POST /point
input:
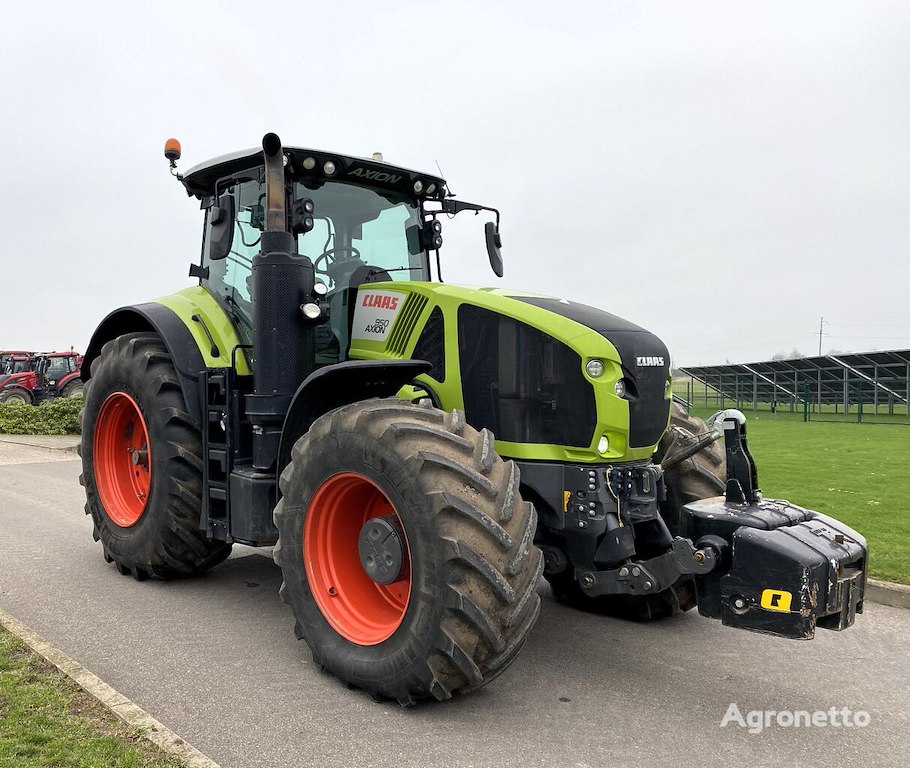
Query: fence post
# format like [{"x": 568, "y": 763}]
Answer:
[{"x": 807, "y": 394}]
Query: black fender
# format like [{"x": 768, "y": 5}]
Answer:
[
  {"x": 176, "y": 337},
  {"x": 332, "y": 386}
]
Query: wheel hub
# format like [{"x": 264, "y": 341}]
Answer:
[
  {"x": 380, "y": 548},
  {"x": 122, "y": 459}
]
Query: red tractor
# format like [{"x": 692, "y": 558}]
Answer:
[{"x": 46, "y": 376}]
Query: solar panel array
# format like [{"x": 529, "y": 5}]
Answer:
[{"x": 873, "y": 378}]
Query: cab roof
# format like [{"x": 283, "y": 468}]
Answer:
[{"x": 306, "y": 164}]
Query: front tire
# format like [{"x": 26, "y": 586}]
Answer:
[
  {"x": 16, "y": 395},
  {"x": 142, "y": 463},
  {"x": 463, "y": 598},
  {"x": 699, "y": 477}
]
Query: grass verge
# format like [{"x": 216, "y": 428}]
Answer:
[
  {"x": 48, "y": 720},
  {"x": 856, "y": 473}
]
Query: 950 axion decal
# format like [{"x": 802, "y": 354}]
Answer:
[{"x": 374, "y": 314}]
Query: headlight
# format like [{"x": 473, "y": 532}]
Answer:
[
  {"x": 311, "y": 311},
  {"x": 620, "y": 388},
  {"x": 594, "y": 368},
  {"x": 603, "y": 445}
]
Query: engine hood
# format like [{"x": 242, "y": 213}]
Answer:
[
  {"x": 516, "y": 363},
  {"x": 644, "y": 358}
]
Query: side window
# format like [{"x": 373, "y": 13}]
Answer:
[
  {"x": 229, "y": 277},
  {"x": 56, "y": 368}
]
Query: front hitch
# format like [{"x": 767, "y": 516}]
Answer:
[
  {"x": 650, "y": 576},
  {"x": 759, "y": 564}
]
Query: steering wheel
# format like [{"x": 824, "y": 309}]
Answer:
[{"x": 330, "y": 257}]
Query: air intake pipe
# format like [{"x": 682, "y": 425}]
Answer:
[{"x": 283, "y": 344}]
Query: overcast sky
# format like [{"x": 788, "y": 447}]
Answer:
[{"x": 723, "y": 173}]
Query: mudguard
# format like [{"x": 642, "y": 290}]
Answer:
[
  {"x": 177, "y": 338},
  {"x": 336, "y": 385}
]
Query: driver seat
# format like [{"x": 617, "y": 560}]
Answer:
[{"x": 333, "y": 339}]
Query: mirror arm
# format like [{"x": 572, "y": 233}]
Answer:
[{"x": 452, "y": 206}]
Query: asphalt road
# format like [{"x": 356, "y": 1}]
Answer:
[{"x": 215, "y": 660}]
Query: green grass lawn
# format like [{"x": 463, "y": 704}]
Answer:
[
  {"x": 47, "y": 720},
  {"x": 858, "y": 473}
]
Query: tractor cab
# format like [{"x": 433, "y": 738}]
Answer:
[
  {"x": 357, "y": 220},
  {"x": 14, "y": 361},
  {"x": 54, "y": 368}
]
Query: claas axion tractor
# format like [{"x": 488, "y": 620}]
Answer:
[{"x": 419, "y": 453}]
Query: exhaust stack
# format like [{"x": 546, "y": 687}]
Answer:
[{"x": 283, "y": 344}]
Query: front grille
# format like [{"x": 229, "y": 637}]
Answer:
[
  {"x": 521, "y": 383},
  {"x": 431, "y": 345},
  {"x": 404, "y": 325},
  {"x": 649, "y": 407}
]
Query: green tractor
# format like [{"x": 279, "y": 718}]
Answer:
[{"x": 322, "y": 391}]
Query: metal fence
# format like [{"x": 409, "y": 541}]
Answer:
[{"x": 866, "y": 387}]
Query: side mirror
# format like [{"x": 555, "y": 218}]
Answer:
[
  {"x": 494, "y": 243},
  {"x": 222, "y": 218}
]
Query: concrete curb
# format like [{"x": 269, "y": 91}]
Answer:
[
  {"x": 888, "y": 593},
  {"x": 51, "y": 442},
  {"x": 127, "y": 711}
]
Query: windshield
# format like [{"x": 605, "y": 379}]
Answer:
[{"x": 358, "y": 227}]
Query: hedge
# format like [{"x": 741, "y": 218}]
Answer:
[{"x": 57, "y": 417}]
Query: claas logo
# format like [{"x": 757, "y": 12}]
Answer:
[{"x": 380, "y": 301}]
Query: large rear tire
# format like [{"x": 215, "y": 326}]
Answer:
[
  {"x": 142, "y": 463},
  {"x": 73, "y": 388},
  {"x": 461, "y": 598}
]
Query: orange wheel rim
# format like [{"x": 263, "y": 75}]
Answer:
[
  {"x": 358, "y": 608},
  {"x": 123, "y": 459}
]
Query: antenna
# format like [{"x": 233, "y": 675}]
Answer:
[{"x": 449, "y": 192}]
